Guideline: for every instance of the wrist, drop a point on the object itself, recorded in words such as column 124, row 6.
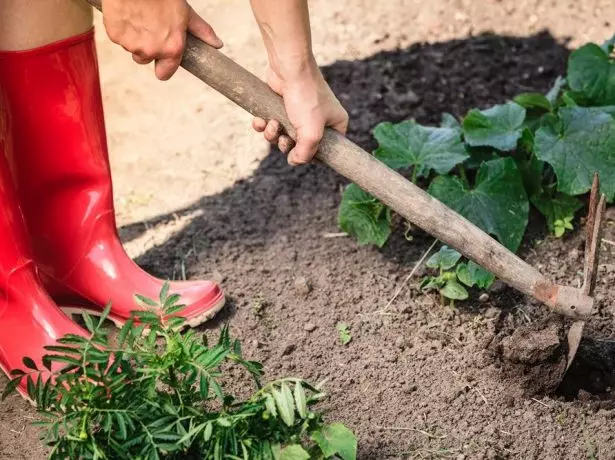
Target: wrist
column 295, row 68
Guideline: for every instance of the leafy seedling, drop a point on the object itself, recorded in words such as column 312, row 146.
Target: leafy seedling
column 344, row 333
column 453, row 275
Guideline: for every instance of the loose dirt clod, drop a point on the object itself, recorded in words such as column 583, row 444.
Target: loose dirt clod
column 533, row 356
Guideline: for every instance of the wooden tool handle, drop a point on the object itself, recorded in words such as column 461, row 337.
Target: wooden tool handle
column 252, row 94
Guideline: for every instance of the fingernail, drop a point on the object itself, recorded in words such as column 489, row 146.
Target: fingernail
column 219, row 43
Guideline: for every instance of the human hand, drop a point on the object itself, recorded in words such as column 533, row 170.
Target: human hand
column 310, row 105
column 155, row 30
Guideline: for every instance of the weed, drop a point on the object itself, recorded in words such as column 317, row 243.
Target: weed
column 344, row 333
column 159, row 394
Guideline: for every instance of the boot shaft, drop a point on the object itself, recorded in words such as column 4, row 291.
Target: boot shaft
column 54, row 128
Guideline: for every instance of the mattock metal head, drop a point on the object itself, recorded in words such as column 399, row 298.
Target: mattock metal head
column 593, row 240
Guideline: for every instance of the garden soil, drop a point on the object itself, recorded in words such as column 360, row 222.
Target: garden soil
column 199, row 195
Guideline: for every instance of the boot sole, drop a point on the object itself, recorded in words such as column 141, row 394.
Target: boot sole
column 119, row 321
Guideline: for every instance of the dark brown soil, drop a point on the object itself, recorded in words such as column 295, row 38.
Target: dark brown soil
column 417, row 380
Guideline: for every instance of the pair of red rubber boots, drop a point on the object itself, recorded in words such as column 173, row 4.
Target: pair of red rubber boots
column 58, row 238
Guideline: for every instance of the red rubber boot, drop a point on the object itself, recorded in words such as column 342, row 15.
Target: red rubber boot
column 63, row 181
column 29, row 319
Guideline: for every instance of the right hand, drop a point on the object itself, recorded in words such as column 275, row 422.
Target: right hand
column 155, row 30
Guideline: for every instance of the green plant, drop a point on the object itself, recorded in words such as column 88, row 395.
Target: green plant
column 155, row 393
column 344, row 333
column 453, row 274
column 540, row 150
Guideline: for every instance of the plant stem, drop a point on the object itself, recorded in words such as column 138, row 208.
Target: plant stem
column 414, row 173
column 462, row 174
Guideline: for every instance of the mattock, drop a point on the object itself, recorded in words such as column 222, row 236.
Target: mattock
column 593, row 241
column 398, row 193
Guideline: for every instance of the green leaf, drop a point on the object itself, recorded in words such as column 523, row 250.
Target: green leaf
column 408, row 144
column 463, row 274
column 145, row 301
column 294, row 452
column 164, row 292
column 533, row 101
column 478, row 156
column 559, row 211
column 449, row 121
column 553, row 94
column 364, row 217
column 499, row 127
column 453, row 290
column 286, row 411
column 592, row 74
column 300, row 400
column 208, row 431
column 531, row 173
column 431, row 282
column 497, row 203
column 580, row 144
column 445, row 258
column 344, row 333
column 608, row 45
column 11, row 387
column 338, row 440
column 482, row 278
column 270, row 405
column 29, row 363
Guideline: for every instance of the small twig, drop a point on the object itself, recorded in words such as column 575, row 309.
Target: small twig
column 335, row 235
column 540, row 402
column 612, row 243
column 410, row 275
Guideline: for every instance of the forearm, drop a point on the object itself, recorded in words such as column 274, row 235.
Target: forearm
column 285, row 28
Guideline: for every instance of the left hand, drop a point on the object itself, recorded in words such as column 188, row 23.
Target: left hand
column 311, row 107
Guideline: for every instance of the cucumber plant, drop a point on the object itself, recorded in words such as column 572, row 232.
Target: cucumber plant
column 494, row 164
column 453, row 275
column 155, row 393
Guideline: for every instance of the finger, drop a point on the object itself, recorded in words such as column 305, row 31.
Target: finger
column 307, row 144
column 166, row 67
column 341, row 126
column 201, row 29
column 285, row 144
column 272, row 131
column 259, row 125
column 139, row 59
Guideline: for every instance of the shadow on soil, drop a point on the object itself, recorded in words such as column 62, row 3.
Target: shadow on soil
column 295, row 207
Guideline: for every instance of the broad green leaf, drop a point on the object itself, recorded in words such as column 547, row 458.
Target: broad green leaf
column 533, row 101
column 531, row 173
column 553, row 94
column 479, row 155
column 558, row 211
column 463, row 274
column 591, row 73
column 338, row 440
column 445, row 258
column 294, row 452
column 498, row 203
column 449, row 121
column 408, row 144
column 364, row 217
column 453, row 290
column 270, row 405
column 482, row 278
column 579, row 145
column 499, row 127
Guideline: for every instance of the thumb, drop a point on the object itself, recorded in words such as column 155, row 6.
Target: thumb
column 201, row 29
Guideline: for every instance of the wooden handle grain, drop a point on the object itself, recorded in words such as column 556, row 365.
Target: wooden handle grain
column 252, row 94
